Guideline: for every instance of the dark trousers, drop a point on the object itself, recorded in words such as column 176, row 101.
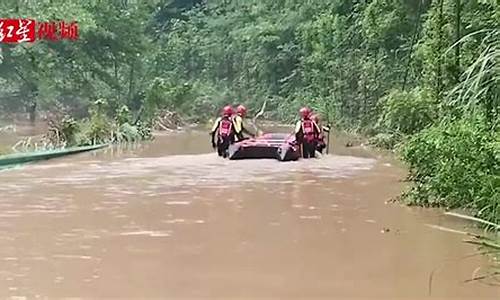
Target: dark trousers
column 320, row 147
column 223, row 146
column 309, row 149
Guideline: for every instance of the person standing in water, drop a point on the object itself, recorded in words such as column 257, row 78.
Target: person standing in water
column 321, row 144
column 306, row 133
column 224, row 129
column 239, row 126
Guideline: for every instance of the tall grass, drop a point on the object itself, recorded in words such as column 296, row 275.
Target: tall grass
column 479, row 90
column 456, row 162
column 488, row 243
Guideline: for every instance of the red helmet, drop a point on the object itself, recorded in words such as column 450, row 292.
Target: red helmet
column 227, row 110
column 241, row 110
column 305, row 112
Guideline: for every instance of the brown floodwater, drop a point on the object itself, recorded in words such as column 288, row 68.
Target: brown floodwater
column 169, row 219
column 10, row 134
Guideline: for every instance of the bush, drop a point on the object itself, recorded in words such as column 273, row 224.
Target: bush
column 98, row 130
column 144, row 130
column 127, row 133
column 123, row 115
column 456, row 164
column 69, row 130
column 406, row 112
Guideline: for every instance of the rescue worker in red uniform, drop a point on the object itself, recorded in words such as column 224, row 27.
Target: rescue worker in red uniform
column 306, row 133
column 321, row 144
column 239, row 126
column 224, row 130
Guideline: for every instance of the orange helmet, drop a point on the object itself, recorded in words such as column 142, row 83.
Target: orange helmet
column 305, row 112
column 227, row 111
column 241, row 110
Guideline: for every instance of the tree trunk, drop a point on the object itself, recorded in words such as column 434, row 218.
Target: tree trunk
column 458, row 10
column 32, row 111
column 413, row 41
column 131, row 82
column 439, row 84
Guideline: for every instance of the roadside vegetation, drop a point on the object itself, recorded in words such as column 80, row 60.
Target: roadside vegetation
column 422, row 77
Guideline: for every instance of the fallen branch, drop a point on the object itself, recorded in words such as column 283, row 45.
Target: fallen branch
column 482, row 277
column 446, row 229
column 168, row 120
column 475, row 272
column 259, row 114
column 163, row 127
column 484, row 244
column 470, row 218
column 431, row 275
column 10, row 128
column 27, row 143
column 14, row 148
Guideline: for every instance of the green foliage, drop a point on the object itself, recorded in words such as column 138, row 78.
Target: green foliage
column 383, row 21
column 127, row 133
column 144, row 131
column 456, row 165
column 479, row 92
column 123, row 115
column 105, row 62
column 407, row 112
column 98, row 130
column 69, row 130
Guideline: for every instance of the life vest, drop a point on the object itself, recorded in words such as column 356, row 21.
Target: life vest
column 308, row 130
column 225, row 127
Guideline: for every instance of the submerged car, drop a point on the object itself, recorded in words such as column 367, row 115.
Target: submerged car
column 280, row 146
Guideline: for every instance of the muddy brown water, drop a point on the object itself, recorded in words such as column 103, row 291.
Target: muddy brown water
column 169, row 219
column 11, row 134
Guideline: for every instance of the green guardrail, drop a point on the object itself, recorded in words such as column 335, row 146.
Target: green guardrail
column 21, row 158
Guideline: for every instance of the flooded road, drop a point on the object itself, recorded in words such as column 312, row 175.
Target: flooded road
column 10, row 134
column 171, row 220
